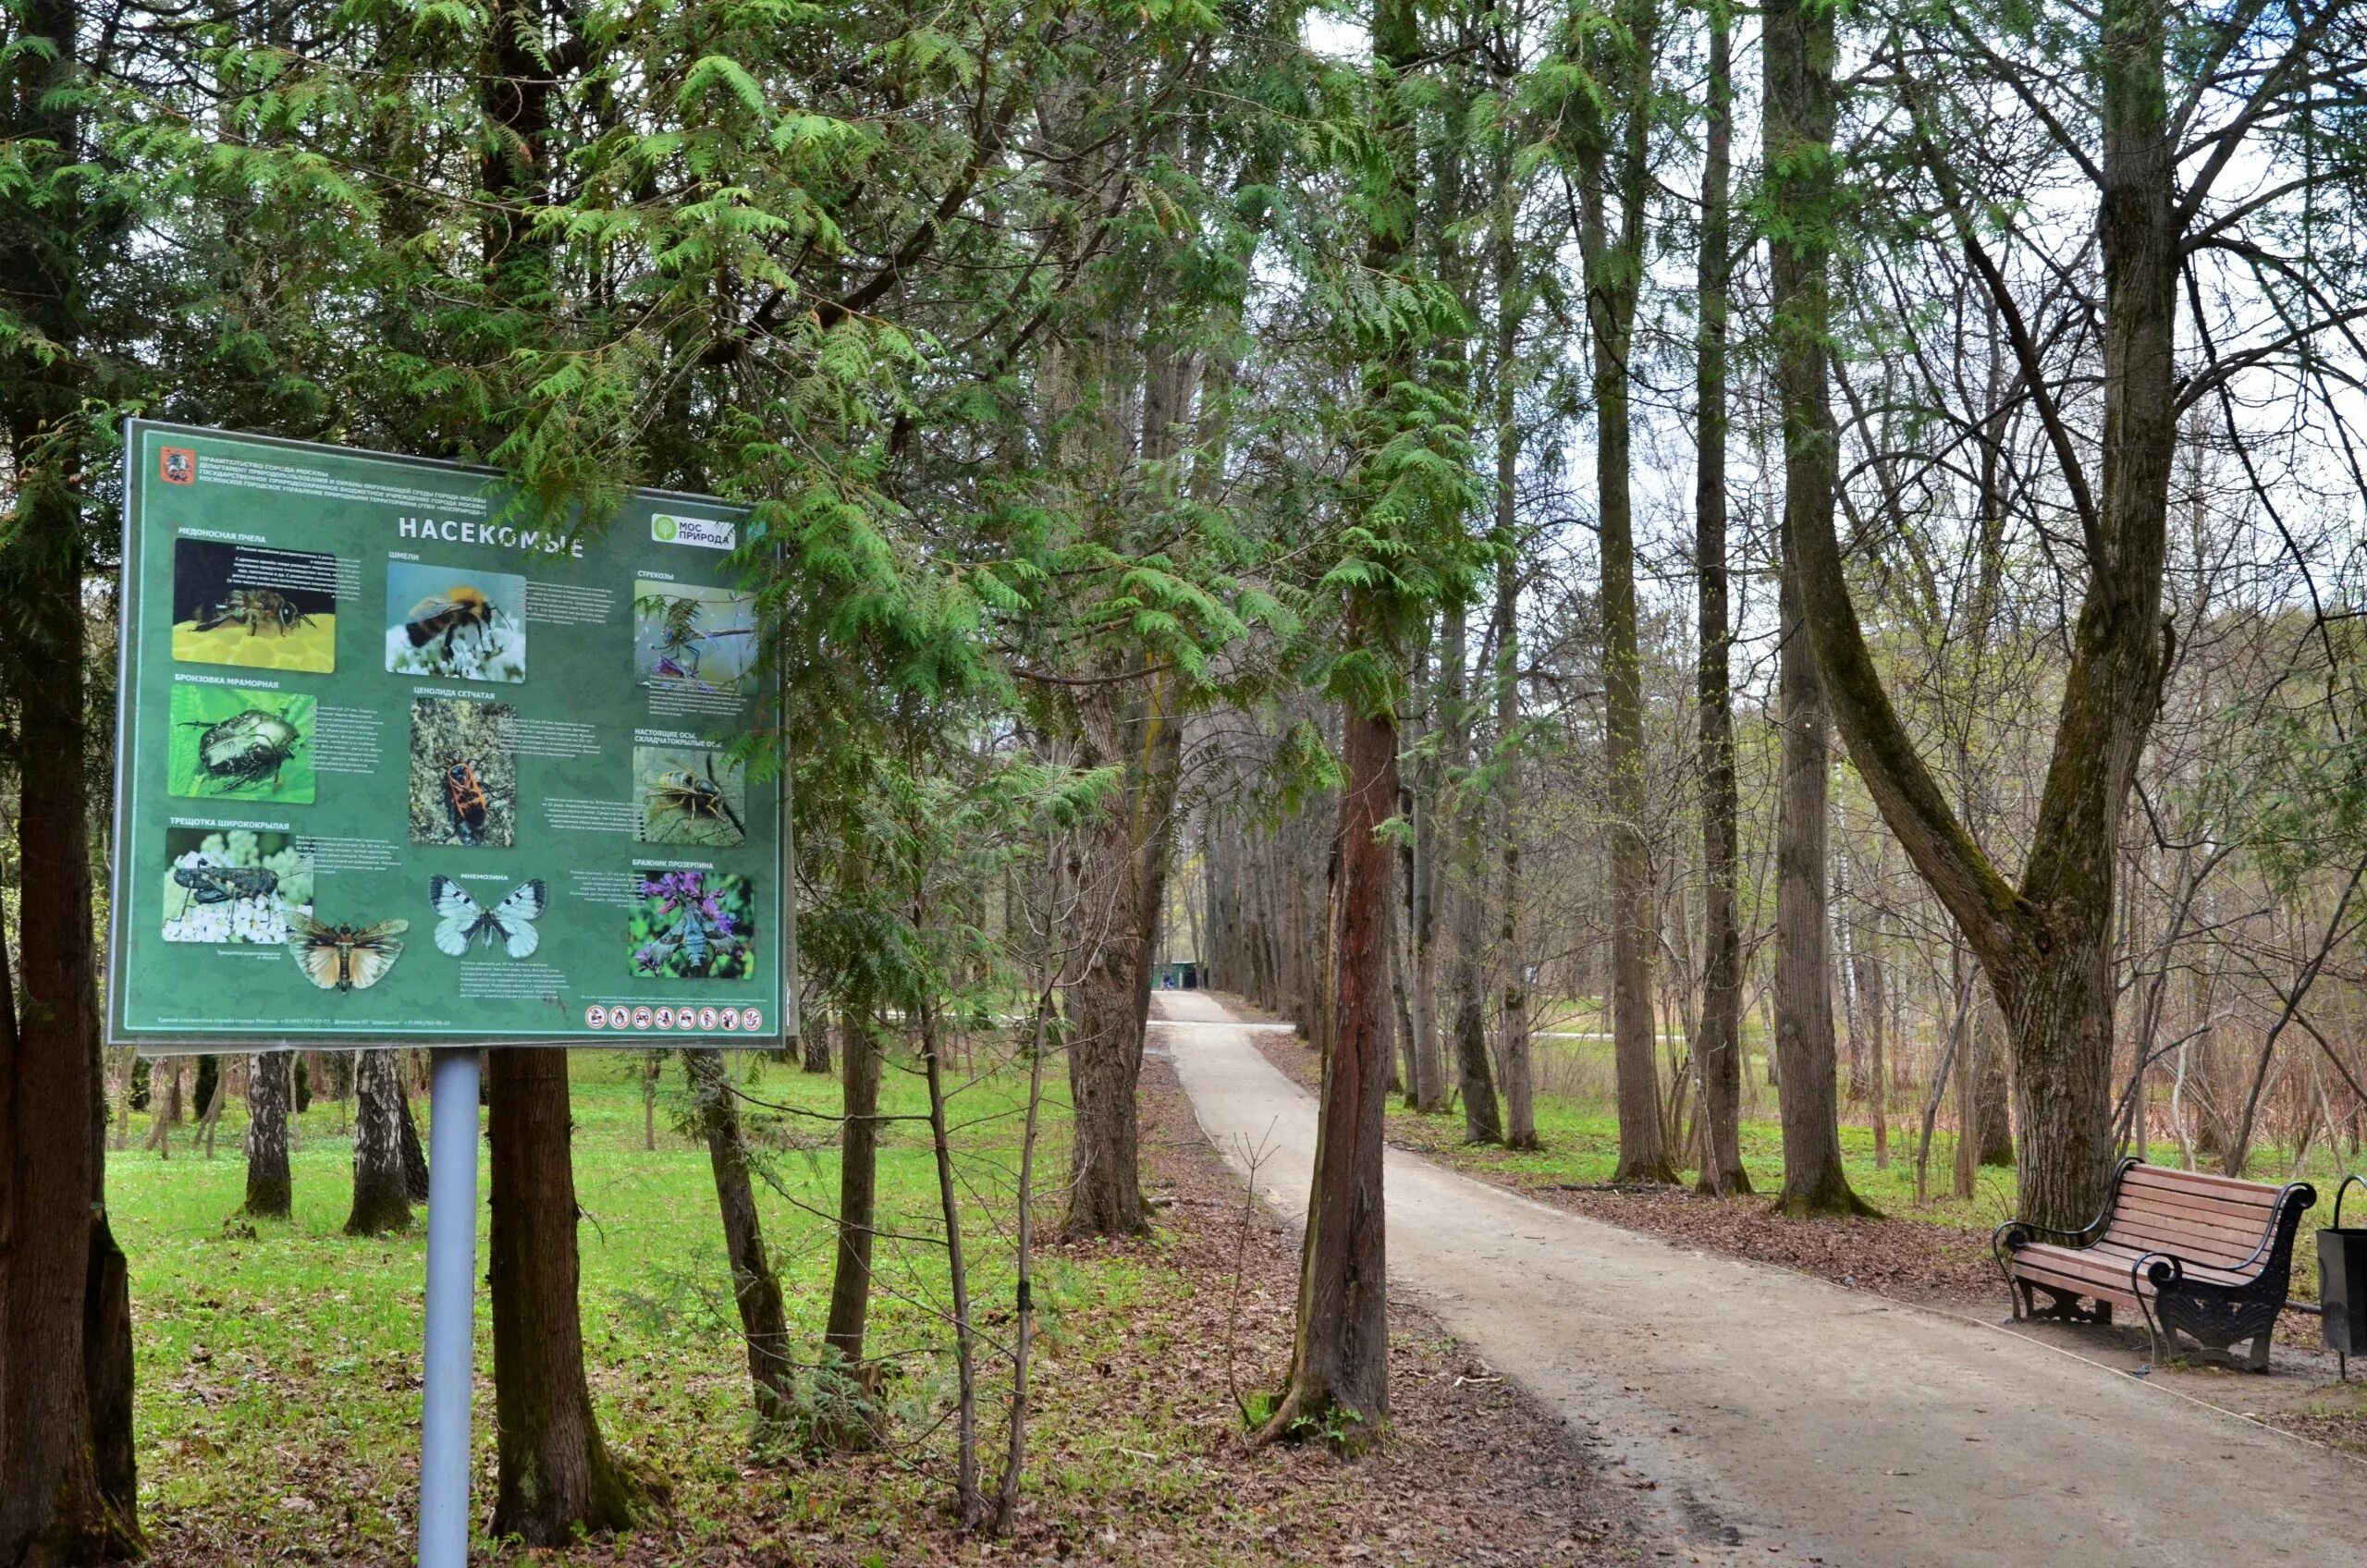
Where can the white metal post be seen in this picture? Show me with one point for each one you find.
(451, 1311)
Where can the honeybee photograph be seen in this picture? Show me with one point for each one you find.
(234, 886)
(688, 635)
(690, 796)
(268, 609)
(229, 742)
(463, 773)
(692, 926)
(455, 624)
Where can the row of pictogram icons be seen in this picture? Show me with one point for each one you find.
(710, 1018)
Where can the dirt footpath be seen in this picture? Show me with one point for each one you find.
(1780, 1419)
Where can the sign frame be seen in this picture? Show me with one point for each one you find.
(135, 618)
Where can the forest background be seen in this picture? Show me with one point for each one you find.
(1399, 502)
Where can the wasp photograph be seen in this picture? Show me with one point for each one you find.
(688, 635)
(454, 623)
(229, 742)
(692, 926)
(690, 796)
(234, 885)
(463, 773)
(268, 609)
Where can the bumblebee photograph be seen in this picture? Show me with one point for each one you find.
(234, 885)
(268, 609)
(692, 926)
(232, 743)
(455, 624)
(463, 773)
(697, 637)
(690, 796)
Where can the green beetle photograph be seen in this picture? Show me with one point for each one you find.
(233, 742)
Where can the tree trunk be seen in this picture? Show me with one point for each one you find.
(1971, 1113)
(207, 1085)
(270, 1188)
(414, 1153)
(53, 1508)
(1798, 50)
(381, 1190)
(1614, 267)
(1024, 1241)
(849, 1416)
(1483, 1121)
(556, 1476)
(2047, 943)
(120, 1139)
(652, 1064)
(1105, 1045)
(209, 1119)
(1423, 945)
(1643, 1156)
(1870, 995)
(969, 1503)
(107, 1371)
(816, 1041)
(1338, 1375)
(1995, 1145)
(755, 1286)
(1401, 964)
(165, 1113)
(1719, 1049)
(1814, 1181)
(1845, 975)
(1520, 1098)
(67, 1485)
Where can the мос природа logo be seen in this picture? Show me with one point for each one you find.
(667, 529)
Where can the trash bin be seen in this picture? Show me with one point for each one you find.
(2342, 1284)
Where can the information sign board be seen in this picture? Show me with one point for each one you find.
(398, 759)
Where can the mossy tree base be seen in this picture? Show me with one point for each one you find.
(1827, 1200)
(1735, 1183)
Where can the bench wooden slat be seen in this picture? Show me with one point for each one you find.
(2250, 1223)
(2104, 1279)
(2222, 1189)
(2168, 1235)
(2107, 1269)
(2173, 1223)
(2127, 1255)
(2232, 1259)
(2157, 1223)
(2237, 1187)
(2183, 1194)
(2224, 1216)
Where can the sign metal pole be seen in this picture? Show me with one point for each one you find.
(451, 1310)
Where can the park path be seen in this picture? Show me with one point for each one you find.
(1771, 1418)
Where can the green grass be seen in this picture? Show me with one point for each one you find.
(1582, 1146)
(269, 1366)
(1580, 1131)
(1581, 1136)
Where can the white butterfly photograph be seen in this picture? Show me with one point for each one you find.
(461, 920)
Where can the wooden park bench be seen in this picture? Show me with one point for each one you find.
(2207, 1257)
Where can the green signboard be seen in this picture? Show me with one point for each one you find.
(398, 759)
